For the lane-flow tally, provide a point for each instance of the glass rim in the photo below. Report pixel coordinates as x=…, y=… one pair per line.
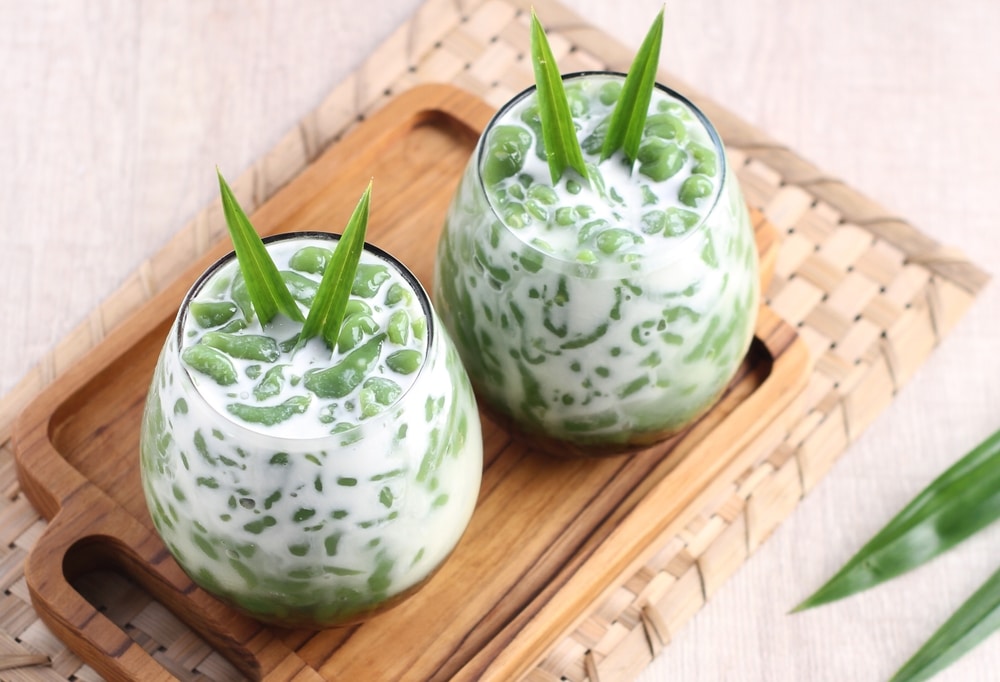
x=614, y=269
x=381, y=254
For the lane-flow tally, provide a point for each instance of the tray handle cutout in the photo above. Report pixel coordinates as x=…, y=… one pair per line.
x=91, y=533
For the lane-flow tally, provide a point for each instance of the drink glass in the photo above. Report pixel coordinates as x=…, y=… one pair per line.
x=304, y=517
x=599, y=315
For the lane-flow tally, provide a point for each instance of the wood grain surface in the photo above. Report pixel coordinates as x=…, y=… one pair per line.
x=116, y=114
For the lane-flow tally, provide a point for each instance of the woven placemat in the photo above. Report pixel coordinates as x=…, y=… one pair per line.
x=869, y=293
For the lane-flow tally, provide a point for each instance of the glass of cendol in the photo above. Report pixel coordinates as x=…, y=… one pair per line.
x=305, y=486
x=599, y=315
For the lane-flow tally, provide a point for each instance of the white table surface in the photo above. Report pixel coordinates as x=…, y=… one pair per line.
x=114, y=115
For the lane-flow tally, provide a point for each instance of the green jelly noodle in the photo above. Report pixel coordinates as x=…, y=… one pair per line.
x=607, y=311
x=305, y=486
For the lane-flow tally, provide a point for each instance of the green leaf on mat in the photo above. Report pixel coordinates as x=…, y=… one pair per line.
x=562, y=147
x=973, y=622
x=268, y=292
x=960, y=502
x=326, y=315
x=629, y=116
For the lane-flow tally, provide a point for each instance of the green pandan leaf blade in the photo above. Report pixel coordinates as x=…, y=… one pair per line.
x=268, y=292
x=629, y=116
x=974, y=621
x=326, y=315
x=957, y=504
x=562, y=147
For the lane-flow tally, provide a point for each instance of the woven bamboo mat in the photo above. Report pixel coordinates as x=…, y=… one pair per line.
x=869, y=293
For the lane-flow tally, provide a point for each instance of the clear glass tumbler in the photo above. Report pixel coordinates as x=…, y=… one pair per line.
x=601, y=314
x=282, y=506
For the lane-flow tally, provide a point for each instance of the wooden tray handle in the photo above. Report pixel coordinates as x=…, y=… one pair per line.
x=98, y=534
x=67, y=613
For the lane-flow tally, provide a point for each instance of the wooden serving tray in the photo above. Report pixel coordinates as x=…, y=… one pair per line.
x=548, y=539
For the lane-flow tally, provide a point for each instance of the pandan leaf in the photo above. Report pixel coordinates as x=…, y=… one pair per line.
x=326, y=315
x=975, y=620
x=268, y=292
x=962, y=500
x=629, y=116
x=562, y=147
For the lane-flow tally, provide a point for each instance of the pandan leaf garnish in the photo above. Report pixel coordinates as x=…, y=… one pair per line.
x=629, y=116
x=562, y=148
x=268, y=292
x=326, y=315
